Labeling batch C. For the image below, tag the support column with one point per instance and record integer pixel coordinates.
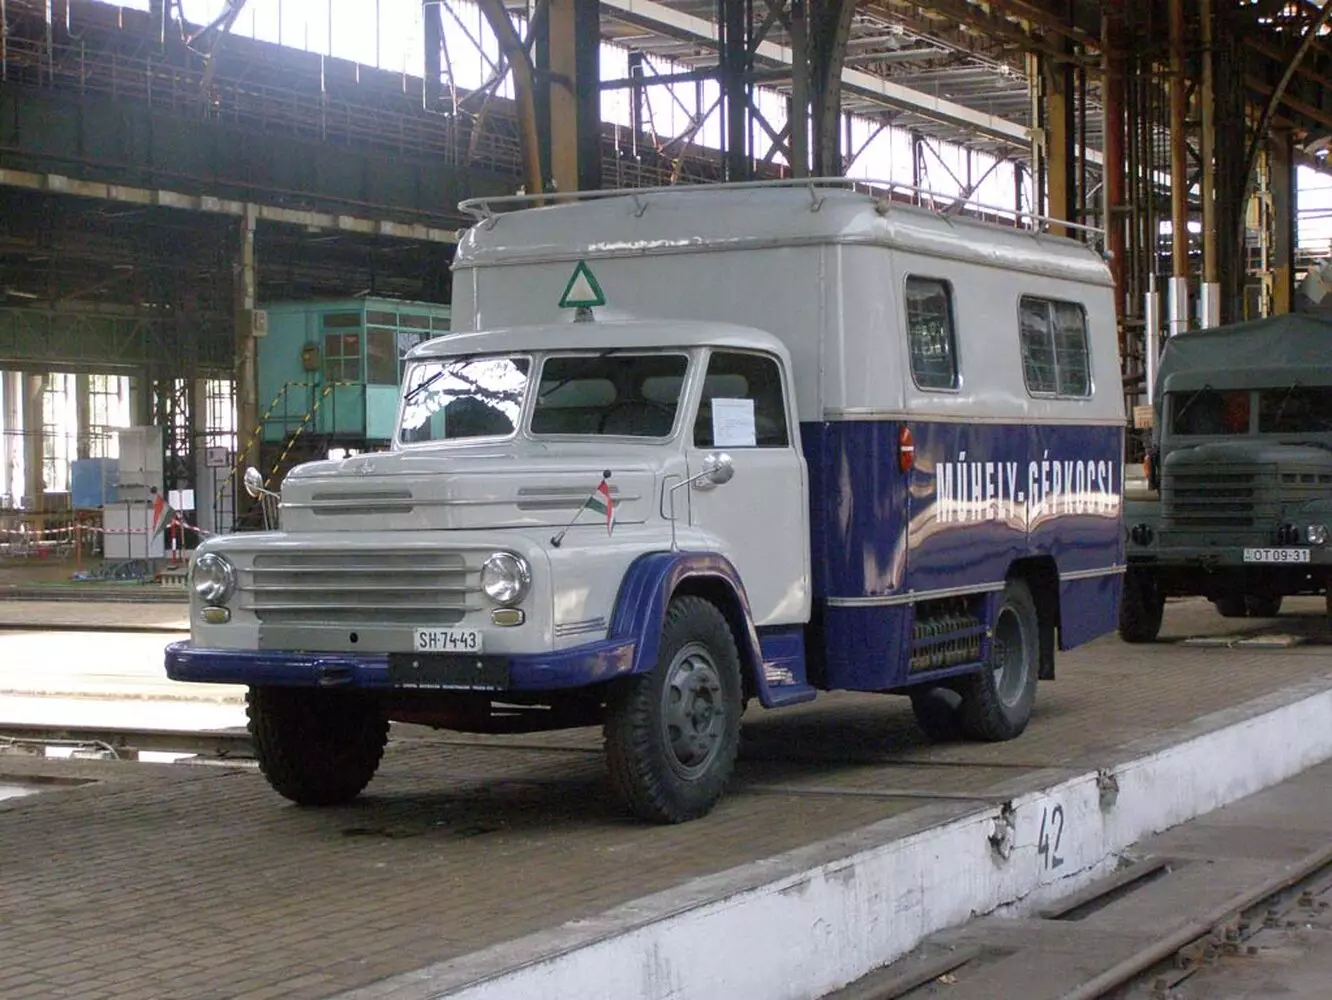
(799, 107)
(34, 466)
(1210, 304)
(82, 417)
(1060, 156)
(432, 90)
(247, 386)
(11, 451)
(1112, 188)
(563, 100)
(1281, 159)
(1178, 296)
(733, 51)
(829, 27)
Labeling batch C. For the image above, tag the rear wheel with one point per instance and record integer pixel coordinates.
(1263, 607)
(1141, 607)
(996, 703)
(1231, 606)
(317, 748)
(672, 733)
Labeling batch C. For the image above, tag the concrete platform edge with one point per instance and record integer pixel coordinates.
(805, 923)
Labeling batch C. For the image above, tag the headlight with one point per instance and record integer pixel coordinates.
(506, 578)
(1317, 534)
(213, 578)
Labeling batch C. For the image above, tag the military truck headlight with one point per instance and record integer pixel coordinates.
(1316, 534)
(213, 579)
(506, 578)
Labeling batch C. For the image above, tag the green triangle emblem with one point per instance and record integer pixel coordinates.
(582, 291)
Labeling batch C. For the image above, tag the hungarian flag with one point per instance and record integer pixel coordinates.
(600, 501)
(163, 514)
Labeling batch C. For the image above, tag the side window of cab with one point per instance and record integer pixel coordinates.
(742, 405)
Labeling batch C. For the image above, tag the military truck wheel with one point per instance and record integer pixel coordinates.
(317, 748)
(1262, 607)
(937, 713)
(997, 702)
(672, 733)
(1231, 606)
(1141, 608)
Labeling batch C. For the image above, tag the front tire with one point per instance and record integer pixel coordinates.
(1141, 608)
(1231, 606)
(1263, 607)
(997, 702)
(672, 733)
(315, 747)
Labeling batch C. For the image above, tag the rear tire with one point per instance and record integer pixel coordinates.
(937, 713)
(672, 734)
(1231, 606)
(1263, 607)
(997, 702)
(1141, 607)
(315, 747)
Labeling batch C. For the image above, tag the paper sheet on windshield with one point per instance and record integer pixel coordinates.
(733, 423)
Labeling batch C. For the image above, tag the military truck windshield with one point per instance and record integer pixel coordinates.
(452, 399)
(1296, 410)
(610, 393)
(1210, 411)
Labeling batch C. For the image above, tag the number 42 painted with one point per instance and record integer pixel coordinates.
(1052, 823)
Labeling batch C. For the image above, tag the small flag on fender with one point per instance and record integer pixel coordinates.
(601, 502)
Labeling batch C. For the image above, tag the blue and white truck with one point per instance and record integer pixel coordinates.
(686, 449)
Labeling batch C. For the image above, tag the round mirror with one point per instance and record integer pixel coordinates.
(254, 482)
(722, 470)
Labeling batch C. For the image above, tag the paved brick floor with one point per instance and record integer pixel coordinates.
(198, 881)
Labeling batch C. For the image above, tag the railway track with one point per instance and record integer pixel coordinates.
(124, 743)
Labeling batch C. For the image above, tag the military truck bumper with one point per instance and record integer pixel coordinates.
(1211, 570)
(580, 666)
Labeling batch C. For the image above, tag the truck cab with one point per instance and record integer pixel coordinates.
(1241, 471)
(687, 451)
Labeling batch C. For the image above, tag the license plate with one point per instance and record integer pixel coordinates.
(447, 640)
(1276, 555)
(448, 671)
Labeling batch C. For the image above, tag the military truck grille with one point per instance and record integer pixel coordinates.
(360, 588)
(1212, 497)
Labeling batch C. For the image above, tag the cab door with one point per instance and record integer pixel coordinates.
(761, 516)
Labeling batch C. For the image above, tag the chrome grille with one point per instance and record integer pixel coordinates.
(360, 587)
(1212, 497)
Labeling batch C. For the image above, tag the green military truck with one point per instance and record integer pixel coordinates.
(1238, 500)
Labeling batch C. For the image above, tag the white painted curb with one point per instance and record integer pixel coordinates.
(805, 923)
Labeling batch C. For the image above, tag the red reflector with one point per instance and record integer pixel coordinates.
(906, 449)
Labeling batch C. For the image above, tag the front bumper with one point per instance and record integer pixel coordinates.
(580, 666)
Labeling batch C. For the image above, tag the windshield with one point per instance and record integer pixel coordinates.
(452, 399)
(635, 395)
(1210, 411)
(1297, 410)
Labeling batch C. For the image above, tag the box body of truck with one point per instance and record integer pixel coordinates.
(882, 443)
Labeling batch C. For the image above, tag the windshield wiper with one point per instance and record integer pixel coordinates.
(1281, 408)
(1179, 414)
(412, 394)
(569, 378)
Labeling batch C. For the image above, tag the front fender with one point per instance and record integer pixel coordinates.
(646, 591)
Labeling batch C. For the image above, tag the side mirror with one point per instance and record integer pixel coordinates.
(254, 482)
(720, 469)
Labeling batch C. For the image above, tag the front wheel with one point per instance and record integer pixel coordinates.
(997, 702)
(315, 747)
(1141, 607)
(672, 733)
(1231, 606)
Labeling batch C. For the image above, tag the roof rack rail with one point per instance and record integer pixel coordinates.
(486, 209)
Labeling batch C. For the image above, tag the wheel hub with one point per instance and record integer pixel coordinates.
(693, 711)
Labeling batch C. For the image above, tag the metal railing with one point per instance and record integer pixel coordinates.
(485, 209)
